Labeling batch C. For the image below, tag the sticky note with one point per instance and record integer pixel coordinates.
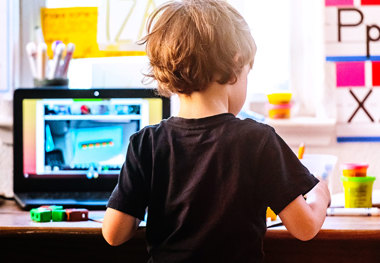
(370, 2)
(350, 74)
(376, 73)
(339, 2)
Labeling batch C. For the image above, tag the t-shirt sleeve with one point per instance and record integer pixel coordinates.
(130, 195)
(283, 175)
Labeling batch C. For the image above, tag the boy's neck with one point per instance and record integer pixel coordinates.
(210, 102)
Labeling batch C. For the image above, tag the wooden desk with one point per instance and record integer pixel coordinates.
(22, 240)
(342, 239)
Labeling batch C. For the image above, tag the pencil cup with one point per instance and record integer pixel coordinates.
(59, 83)
(357, 191)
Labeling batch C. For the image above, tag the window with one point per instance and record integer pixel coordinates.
(4, 46)
(8, 44)
(288, 33)
(270, 26)
(8, 55)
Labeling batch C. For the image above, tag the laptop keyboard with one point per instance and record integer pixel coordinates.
(79, 196)
(91, 200)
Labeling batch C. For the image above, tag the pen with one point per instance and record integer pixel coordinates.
(31, 51)
(66, 62)
(53, 73)
(338, 211)
(41, 60)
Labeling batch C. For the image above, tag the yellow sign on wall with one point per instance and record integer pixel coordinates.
(77, 25)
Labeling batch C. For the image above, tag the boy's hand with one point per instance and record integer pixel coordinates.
(304, 219)
(320, 193)
(118, 227)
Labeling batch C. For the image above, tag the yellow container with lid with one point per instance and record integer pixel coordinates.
(279, 97)
(357, 191)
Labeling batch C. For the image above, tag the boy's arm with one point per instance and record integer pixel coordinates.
(303, 219)
(118, 227)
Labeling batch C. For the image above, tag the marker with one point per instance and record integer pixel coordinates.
(31, 50)
(69, 54)
(301, 150)
(339, 211)
(54, 45)
(41, 60)
(53, 73)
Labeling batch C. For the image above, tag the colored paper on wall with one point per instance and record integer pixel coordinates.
(376, 73)
(339, 2)
(370, 2)
(76, 25)
(350, 74)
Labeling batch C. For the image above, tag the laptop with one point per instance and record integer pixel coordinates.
(70, 144)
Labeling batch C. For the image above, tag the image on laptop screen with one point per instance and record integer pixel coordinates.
(82, 138)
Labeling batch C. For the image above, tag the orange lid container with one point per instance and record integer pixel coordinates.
(354, 169)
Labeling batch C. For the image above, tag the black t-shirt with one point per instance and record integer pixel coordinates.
(207, 184)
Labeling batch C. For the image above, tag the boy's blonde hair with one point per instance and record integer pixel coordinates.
(192, 43)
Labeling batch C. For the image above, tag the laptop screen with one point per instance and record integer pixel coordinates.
(82, 137)
(78, 139)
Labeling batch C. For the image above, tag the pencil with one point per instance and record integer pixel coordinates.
(31, 50)
(301, 150)
(41, 60)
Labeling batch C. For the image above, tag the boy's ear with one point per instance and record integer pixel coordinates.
(237, 57)
(233, 77)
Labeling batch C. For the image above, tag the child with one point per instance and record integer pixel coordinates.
(205, 176)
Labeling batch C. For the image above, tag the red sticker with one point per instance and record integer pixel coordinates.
(376, 73)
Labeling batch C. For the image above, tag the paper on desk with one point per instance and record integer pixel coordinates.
(100, 220)
(271, 223)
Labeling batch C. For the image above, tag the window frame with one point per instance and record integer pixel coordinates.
(9, 58)
(8, 47)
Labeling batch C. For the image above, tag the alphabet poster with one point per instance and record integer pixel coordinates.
(352, 37)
